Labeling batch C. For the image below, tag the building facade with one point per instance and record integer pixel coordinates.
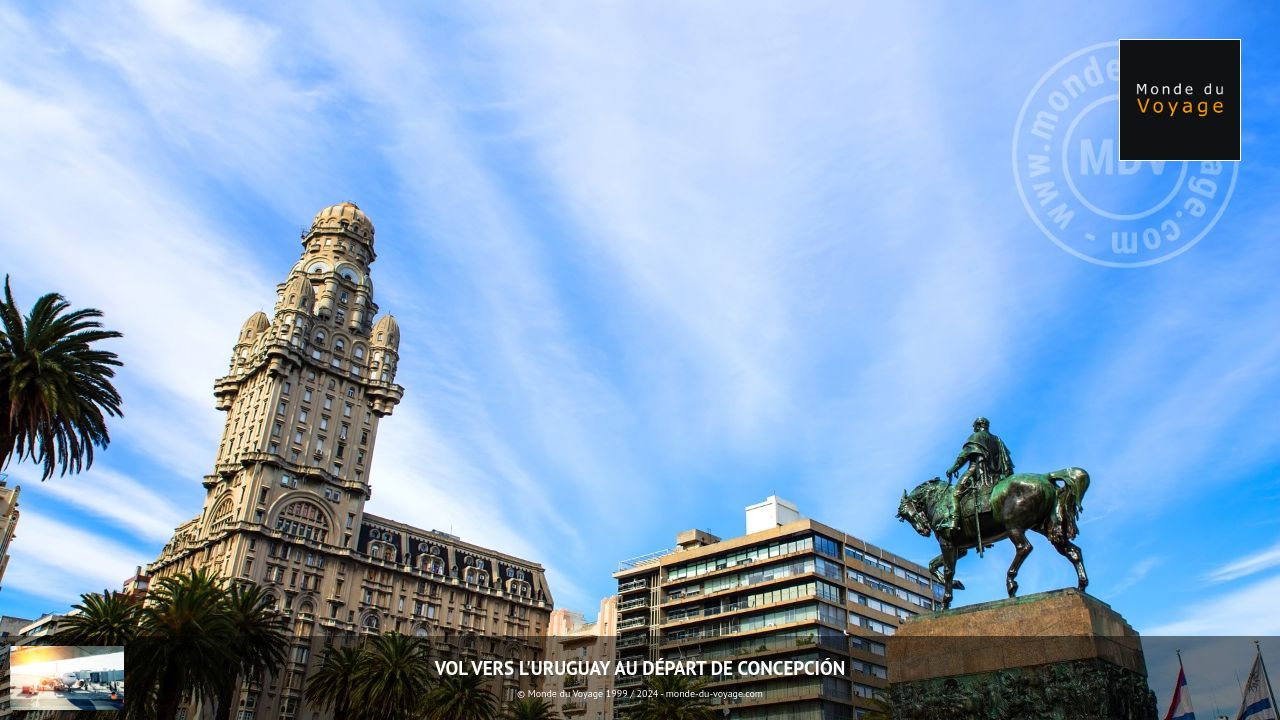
(8, 521)
(306, 391)
(791, 588)
(571, 638)
(10, 632)
(136, 587)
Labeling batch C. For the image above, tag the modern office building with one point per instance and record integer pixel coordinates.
(570, 637)
(306, 391)
(790, 588)
(40, 630)
(8, 521)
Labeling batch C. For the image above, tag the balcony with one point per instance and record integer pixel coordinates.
(732, 607)
(633, 623)
(684, 593)
(641, 584)
(628, 680)
(678, 615)
(635, 641)
(574, 681)
(641, 602)
(573, 707)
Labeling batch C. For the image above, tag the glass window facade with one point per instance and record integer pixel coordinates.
(826, 546)
(731, 626)
(741, 557)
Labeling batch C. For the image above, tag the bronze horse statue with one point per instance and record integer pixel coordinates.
(1021, 502)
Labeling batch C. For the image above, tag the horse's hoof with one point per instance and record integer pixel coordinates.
(957, 585)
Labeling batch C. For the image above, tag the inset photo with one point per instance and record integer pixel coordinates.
(71, 677)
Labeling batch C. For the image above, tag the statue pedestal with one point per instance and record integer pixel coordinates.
(1060, 655)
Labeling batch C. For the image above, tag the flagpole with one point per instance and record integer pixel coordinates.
(1266, 678)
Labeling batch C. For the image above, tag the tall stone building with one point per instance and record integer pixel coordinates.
(8, 520)
(284, 508)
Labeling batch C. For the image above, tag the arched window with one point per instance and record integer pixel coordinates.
(305, 520)
(339, 346)
(371, 622)
(431, 564)
(320, 337)
(348, 273)
(221, 516)
(358, 351)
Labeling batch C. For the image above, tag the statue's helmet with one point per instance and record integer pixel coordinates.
(981, 423)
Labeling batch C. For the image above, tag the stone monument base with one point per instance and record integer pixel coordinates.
(1060, 655)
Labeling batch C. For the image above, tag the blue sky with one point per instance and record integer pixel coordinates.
(653, 262)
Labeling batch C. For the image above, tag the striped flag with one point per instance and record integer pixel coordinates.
(1180, 708)
(1258, 702)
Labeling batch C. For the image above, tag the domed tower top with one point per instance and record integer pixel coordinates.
(386, 333)
(344, 217)
(252, 327)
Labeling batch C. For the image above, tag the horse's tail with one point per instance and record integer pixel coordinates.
(1075, 482)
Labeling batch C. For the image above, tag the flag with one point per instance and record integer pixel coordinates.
(1258, 704)
(1180, 708)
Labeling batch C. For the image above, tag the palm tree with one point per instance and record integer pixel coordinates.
(672, 697)
(332, 684)
(55, 387)
(394, 677)
(182, 643)
(460, 697)
(109, 618)
(529, 709)
(259, 641)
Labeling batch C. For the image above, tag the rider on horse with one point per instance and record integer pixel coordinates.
(989, 462)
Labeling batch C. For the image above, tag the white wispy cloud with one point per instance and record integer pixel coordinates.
(1250, 610)
(1139, 572)
(1260, 561)
(58, 561)
(653, 262)
(110, 495)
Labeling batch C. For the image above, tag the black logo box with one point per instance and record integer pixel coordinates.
(1160, 77)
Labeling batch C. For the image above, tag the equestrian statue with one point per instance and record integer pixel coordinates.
(991, 503)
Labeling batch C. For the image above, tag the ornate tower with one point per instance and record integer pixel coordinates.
(304, 394)
(285, 505)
